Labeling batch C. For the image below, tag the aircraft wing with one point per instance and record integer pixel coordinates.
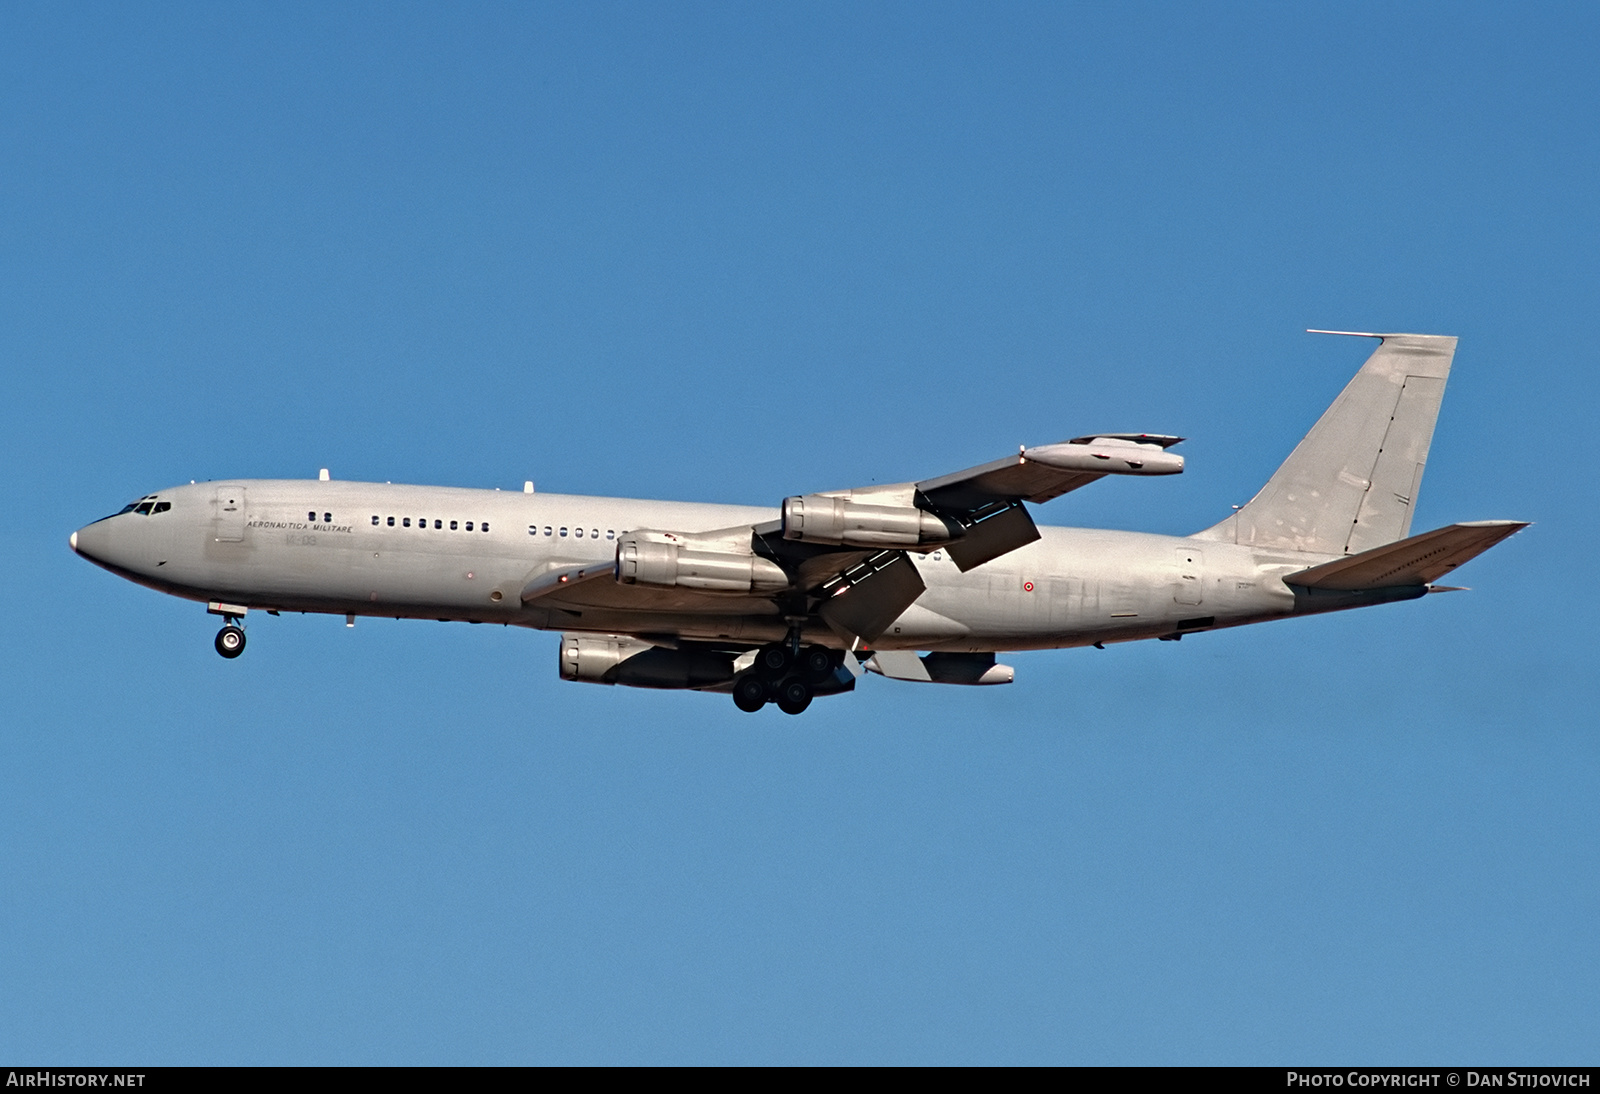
(1048, 471)
(977, 514)
(843, 555)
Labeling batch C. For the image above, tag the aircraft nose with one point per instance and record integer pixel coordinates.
(91, 541)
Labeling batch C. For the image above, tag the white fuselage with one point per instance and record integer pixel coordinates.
(407, 552)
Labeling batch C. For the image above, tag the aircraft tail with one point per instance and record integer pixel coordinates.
(1351, 484)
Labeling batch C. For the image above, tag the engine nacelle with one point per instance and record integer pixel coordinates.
(595, 659)
(817, 518)
(941, 668)
(645, 558)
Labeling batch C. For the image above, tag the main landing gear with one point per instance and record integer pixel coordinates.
(782, 676)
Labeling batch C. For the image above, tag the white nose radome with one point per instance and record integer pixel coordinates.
(73, 539)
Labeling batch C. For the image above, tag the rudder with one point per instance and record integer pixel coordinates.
(1351, 483)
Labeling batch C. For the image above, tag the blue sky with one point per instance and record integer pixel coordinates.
(732, 253)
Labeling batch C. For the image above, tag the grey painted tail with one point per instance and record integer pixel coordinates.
(1350, 485)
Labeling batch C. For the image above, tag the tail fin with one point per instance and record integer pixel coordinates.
(1351, 483)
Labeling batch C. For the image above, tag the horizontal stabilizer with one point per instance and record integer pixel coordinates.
(1415, 561)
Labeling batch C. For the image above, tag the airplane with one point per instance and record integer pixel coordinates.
(918, 581)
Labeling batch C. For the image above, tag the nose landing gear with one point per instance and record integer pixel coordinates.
(230, 641)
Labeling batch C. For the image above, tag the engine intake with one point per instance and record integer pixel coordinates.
(817, 518)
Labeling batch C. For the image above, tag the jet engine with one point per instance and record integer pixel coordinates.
(817, 518)
(660, 558)
(600, 659)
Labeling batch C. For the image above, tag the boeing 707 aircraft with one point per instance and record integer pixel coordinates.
(921, 581)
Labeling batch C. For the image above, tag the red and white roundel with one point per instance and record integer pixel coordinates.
(1027, 586)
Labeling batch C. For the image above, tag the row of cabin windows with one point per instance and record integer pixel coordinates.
(422, 522)
(593, 533)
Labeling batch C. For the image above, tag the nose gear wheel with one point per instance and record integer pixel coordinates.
(230, 641)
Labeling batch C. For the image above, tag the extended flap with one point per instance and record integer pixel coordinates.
(872, 596)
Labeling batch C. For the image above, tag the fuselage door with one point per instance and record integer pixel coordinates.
(230, 514)
(1191, 576)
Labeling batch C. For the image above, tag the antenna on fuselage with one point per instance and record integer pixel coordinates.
(527, 487)
(322, 475)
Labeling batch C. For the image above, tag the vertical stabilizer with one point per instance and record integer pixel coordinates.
(1350, 485)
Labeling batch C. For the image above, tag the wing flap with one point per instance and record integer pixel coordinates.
(865, 600)
(996, 534)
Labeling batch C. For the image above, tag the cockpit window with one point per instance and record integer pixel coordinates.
(144, 506)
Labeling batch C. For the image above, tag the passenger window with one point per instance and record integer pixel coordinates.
(440, 524)
(578, 532)
(547, 530)
(391, 522)
(611, 534)
(594, 533)
(374, 520)
(327, 518)
(484, 527)
(469, 526)
(533, 529)
(452, 525)
(312, 517)
(405, 522)
(563, 531)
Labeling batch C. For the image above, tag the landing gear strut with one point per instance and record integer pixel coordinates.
(230, 641)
